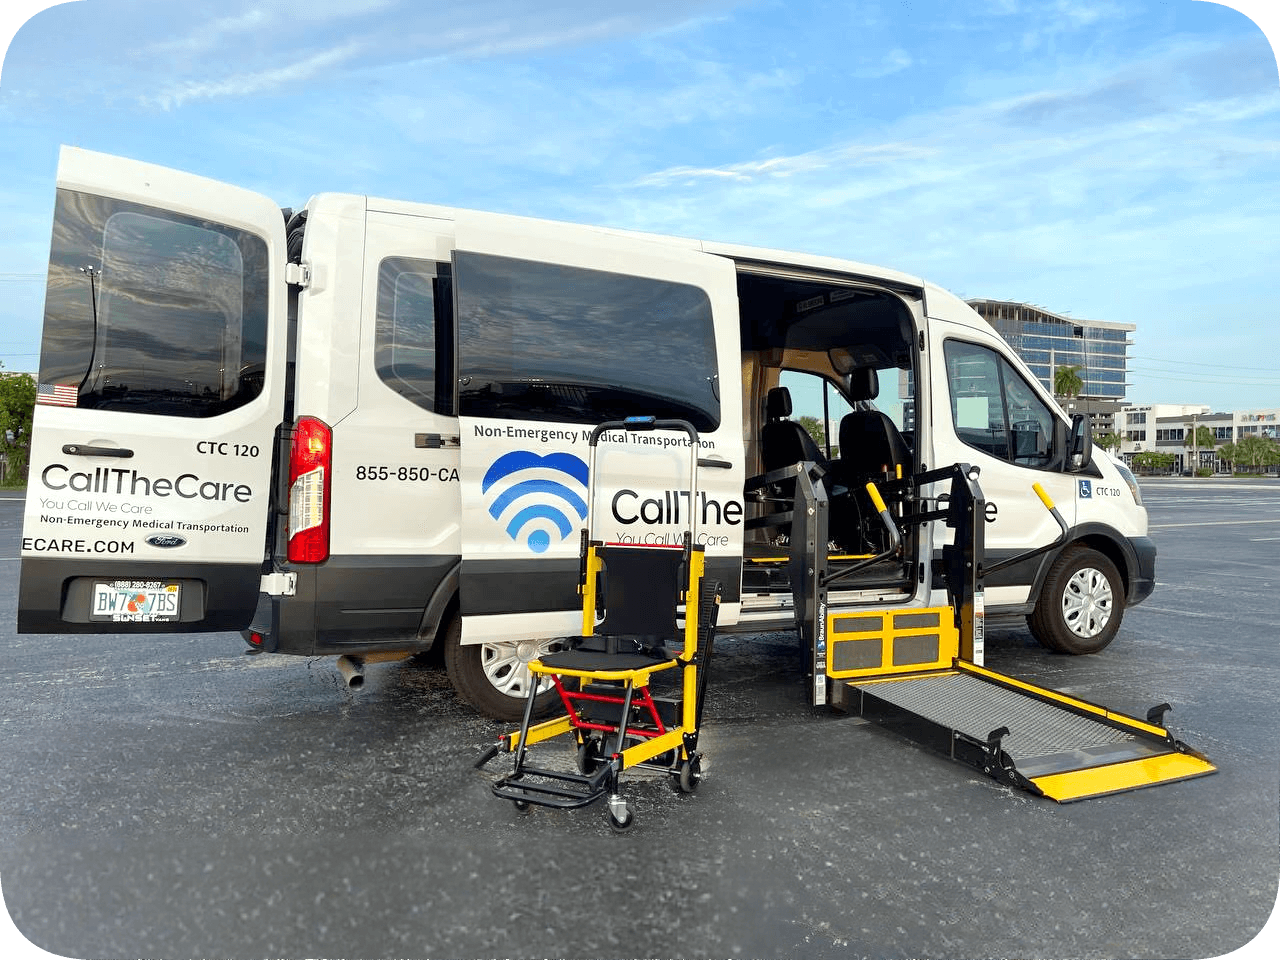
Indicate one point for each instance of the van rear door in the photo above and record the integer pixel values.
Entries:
(560, 328)
(161, 385)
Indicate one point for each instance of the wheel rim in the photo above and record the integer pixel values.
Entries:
(506, 664)
(1087, 603)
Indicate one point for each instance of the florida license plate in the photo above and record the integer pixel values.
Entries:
(130, 601)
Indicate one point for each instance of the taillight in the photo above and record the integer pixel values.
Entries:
(310, 462)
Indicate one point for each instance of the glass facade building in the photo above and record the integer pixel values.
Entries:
(1046, 341)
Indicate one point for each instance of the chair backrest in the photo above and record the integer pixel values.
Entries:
(642, 586)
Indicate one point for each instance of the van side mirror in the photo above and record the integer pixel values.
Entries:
(1080, 449)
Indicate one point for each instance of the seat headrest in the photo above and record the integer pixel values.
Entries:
(864, 384)
(777, 403)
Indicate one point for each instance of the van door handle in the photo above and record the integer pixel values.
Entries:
(434, 441)
(85, 450)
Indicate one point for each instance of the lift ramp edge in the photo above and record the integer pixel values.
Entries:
(1122, 777)
(1040, 740)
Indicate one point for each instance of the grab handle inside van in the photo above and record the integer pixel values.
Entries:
(890, 526)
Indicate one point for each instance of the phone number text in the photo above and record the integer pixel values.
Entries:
(408, 474)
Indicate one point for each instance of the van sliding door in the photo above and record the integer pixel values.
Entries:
(562, 327)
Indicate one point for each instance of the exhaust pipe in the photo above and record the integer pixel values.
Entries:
(352, 670)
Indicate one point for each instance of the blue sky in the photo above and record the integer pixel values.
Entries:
(1114, 159)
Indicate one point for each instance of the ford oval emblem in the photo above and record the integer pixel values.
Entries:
(166, 540)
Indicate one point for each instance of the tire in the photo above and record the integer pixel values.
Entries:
(1081, 603)
(494, 677)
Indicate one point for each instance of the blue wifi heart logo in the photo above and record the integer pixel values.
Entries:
(524, 489)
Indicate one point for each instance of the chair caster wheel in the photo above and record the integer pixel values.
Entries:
(620, 816)
(689, 775)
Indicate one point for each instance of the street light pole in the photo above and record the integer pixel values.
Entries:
(1195, 440)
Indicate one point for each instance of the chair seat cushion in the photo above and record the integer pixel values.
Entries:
(596, 661)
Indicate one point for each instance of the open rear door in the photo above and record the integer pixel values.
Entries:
(161, 384)
(560, 328)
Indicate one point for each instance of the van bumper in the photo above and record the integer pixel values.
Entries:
(357, 604)
(1142, 579)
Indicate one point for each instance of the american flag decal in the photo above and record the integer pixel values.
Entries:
(58, 394)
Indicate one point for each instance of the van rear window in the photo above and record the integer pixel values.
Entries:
(540, 341)
(413, 346)
(153, 312)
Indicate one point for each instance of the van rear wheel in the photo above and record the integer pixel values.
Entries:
(1080, 604)
(494, 677)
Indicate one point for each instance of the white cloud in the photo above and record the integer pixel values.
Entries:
(839, 158)
(208, 35)
(895, 61)
(248, 83)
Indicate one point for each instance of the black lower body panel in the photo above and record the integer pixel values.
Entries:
(357, 604)
(53, 595)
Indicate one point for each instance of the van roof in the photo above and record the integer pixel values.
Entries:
(734, 251)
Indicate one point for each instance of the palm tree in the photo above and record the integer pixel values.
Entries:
(1198, 438)
(1201, 437)
(1108, 440)
(1067, 382)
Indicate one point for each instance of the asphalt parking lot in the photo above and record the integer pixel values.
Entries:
(169, 797)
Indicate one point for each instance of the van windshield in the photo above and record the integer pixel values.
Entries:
(151, 311)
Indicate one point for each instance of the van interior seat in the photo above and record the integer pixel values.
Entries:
(783, 441)
(870, 447)
(870, 444)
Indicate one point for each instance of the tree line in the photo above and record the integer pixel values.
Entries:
(17, 403)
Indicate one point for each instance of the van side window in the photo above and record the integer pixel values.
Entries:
(994, 409)
(540, 341)
(149, 311)
(806, 391)
(415, 300)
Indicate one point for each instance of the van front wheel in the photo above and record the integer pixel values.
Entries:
(1081, 603)
(494, 677)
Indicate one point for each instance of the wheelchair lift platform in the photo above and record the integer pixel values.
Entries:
(918, 671)
(1048, 743)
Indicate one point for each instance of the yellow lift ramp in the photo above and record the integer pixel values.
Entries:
(1027, 736)
(911, 670)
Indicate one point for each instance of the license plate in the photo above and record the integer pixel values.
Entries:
(130, 601)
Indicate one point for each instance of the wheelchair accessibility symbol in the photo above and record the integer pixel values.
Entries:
(1086, 489)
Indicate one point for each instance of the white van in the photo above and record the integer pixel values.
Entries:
(360, 429)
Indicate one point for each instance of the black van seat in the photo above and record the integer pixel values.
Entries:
(784, 442)
(870, 447)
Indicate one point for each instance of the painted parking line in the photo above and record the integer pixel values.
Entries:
(1210, 523)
